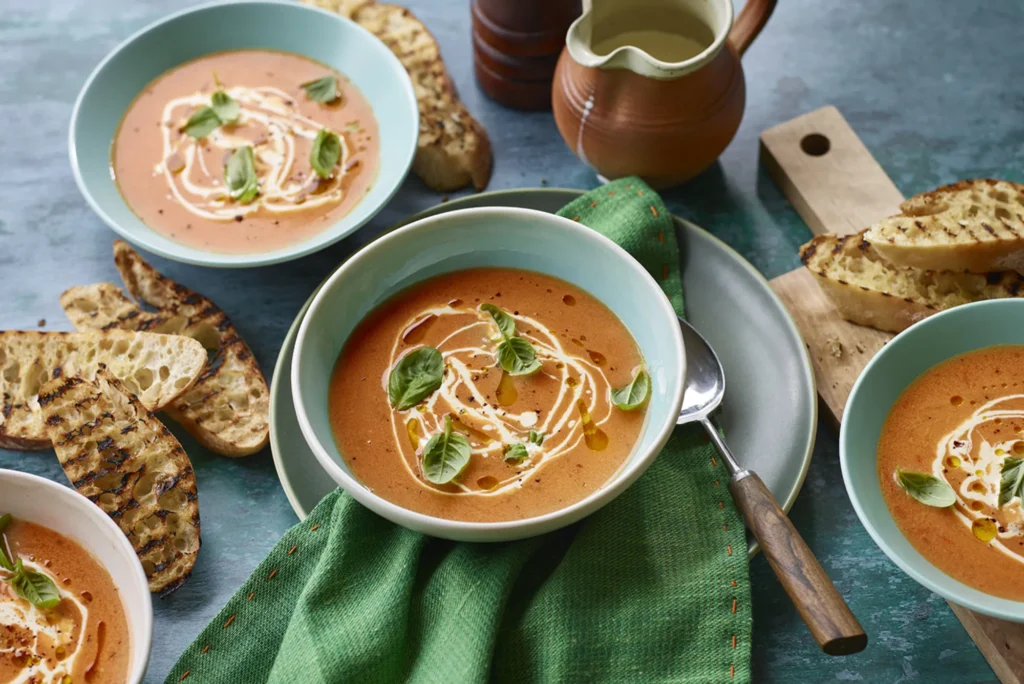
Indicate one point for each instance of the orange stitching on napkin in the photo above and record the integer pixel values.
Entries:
(629, 187)
(734, 606)
(184, 675)
(314, 528)
(611, 194)
(272, 573)
(661, 236)
(716, 483)
(232, 619)
(655, 212)
(593, 204)
(734, 641)
(733, 583)
(640, 193)
(732, 671)
(576, 218)
(714, 462)
(292, 550)
(721, 506)
(725, 528)
(205, 649)
(728, 548)
(250, 596)
(664, 272)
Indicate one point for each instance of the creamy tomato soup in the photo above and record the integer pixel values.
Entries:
(218, 153)
(487, 395)
(83, 637)
(962, 424)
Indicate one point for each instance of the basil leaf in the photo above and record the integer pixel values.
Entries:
(633, 395)
(35, 587)
(445, 455)
(224, 107)
(536, 437)
(926, 488)
(5, 561)
(325, 153)
(514, 453)
(240, 175)
(324, 90)
(202, 122)
(516, 356)
(506, 324)
(415, 377)
(1012, 477)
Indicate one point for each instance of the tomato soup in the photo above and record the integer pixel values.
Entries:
(956, 436)
(488, 395)
(83, 637)
(245, 151)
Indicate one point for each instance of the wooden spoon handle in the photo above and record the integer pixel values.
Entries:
(827, 616)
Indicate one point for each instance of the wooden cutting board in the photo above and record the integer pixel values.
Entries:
(836, 186)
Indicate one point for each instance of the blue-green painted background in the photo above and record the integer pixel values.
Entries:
(933, 87)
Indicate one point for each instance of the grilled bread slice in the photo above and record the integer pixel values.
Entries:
(158, 368)
(869, 291)
(975, 225)
(453, 148)
(116, 453)
(228, 408)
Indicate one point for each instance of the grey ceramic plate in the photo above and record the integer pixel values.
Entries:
(770, 411)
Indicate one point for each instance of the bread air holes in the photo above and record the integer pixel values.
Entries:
(926, 208)
(174, 500)
(144, 378)
(998, 195)
(206, 335)
(1003, 213)
(12, 372)
(143, 489)
(35, 380)
(106, 344)
(165, 373)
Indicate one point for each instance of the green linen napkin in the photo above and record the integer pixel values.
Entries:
(653, 587)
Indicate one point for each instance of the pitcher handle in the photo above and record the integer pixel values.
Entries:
(749, 23)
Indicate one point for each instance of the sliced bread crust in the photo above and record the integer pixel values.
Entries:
(116, 453)
(158, 368)
(973, 225)
(228, 408)
(869, 291)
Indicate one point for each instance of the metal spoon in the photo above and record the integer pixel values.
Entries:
(828, 617)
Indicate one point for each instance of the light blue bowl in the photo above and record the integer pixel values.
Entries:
(253, 24)
(469, 238)
(900, 362)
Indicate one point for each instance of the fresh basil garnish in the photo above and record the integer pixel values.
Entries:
(325, 153)
(1011, 479)
(225, 107)
(515, 355)
(633, 395)
(240, 175)
(323, 90)
(35, 587)
(926, 488)
(202, 122)
(514, 453)
(445, 455)
(536, 437)
(415, 377)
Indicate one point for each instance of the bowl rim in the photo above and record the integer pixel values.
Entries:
(72, 500)
(192, 255)
(953, 590)
(510, 529)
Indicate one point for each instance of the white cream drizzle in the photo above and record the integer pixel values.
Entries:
(556, 422)
(17, 611)
(986, 459)
(201, 190)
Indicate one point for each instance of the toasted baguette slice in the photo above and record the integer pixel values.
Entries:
(228, 408)
(453, 148)
(158, 368)
(116, 453)
(975, 226)
(869, 291)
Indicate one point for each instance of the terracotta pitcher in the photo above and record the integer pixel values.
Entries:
(654, 87)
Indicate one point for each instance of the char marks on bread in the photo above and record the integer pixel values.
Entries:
(157, 368)
(228, 408)
(973, 225)
(120, 456)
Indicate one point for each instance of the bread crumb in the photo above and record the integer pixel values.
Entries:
(835, 347)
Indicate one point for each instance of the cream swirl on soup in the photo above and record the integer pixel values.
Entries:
(270, 123)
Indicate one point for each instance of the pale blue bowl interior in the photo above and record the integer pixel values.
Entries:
(285, 26)
(488, 237)
(906, 357)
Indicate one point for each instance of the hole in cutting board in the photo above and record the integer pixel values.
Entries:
(815, 144)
